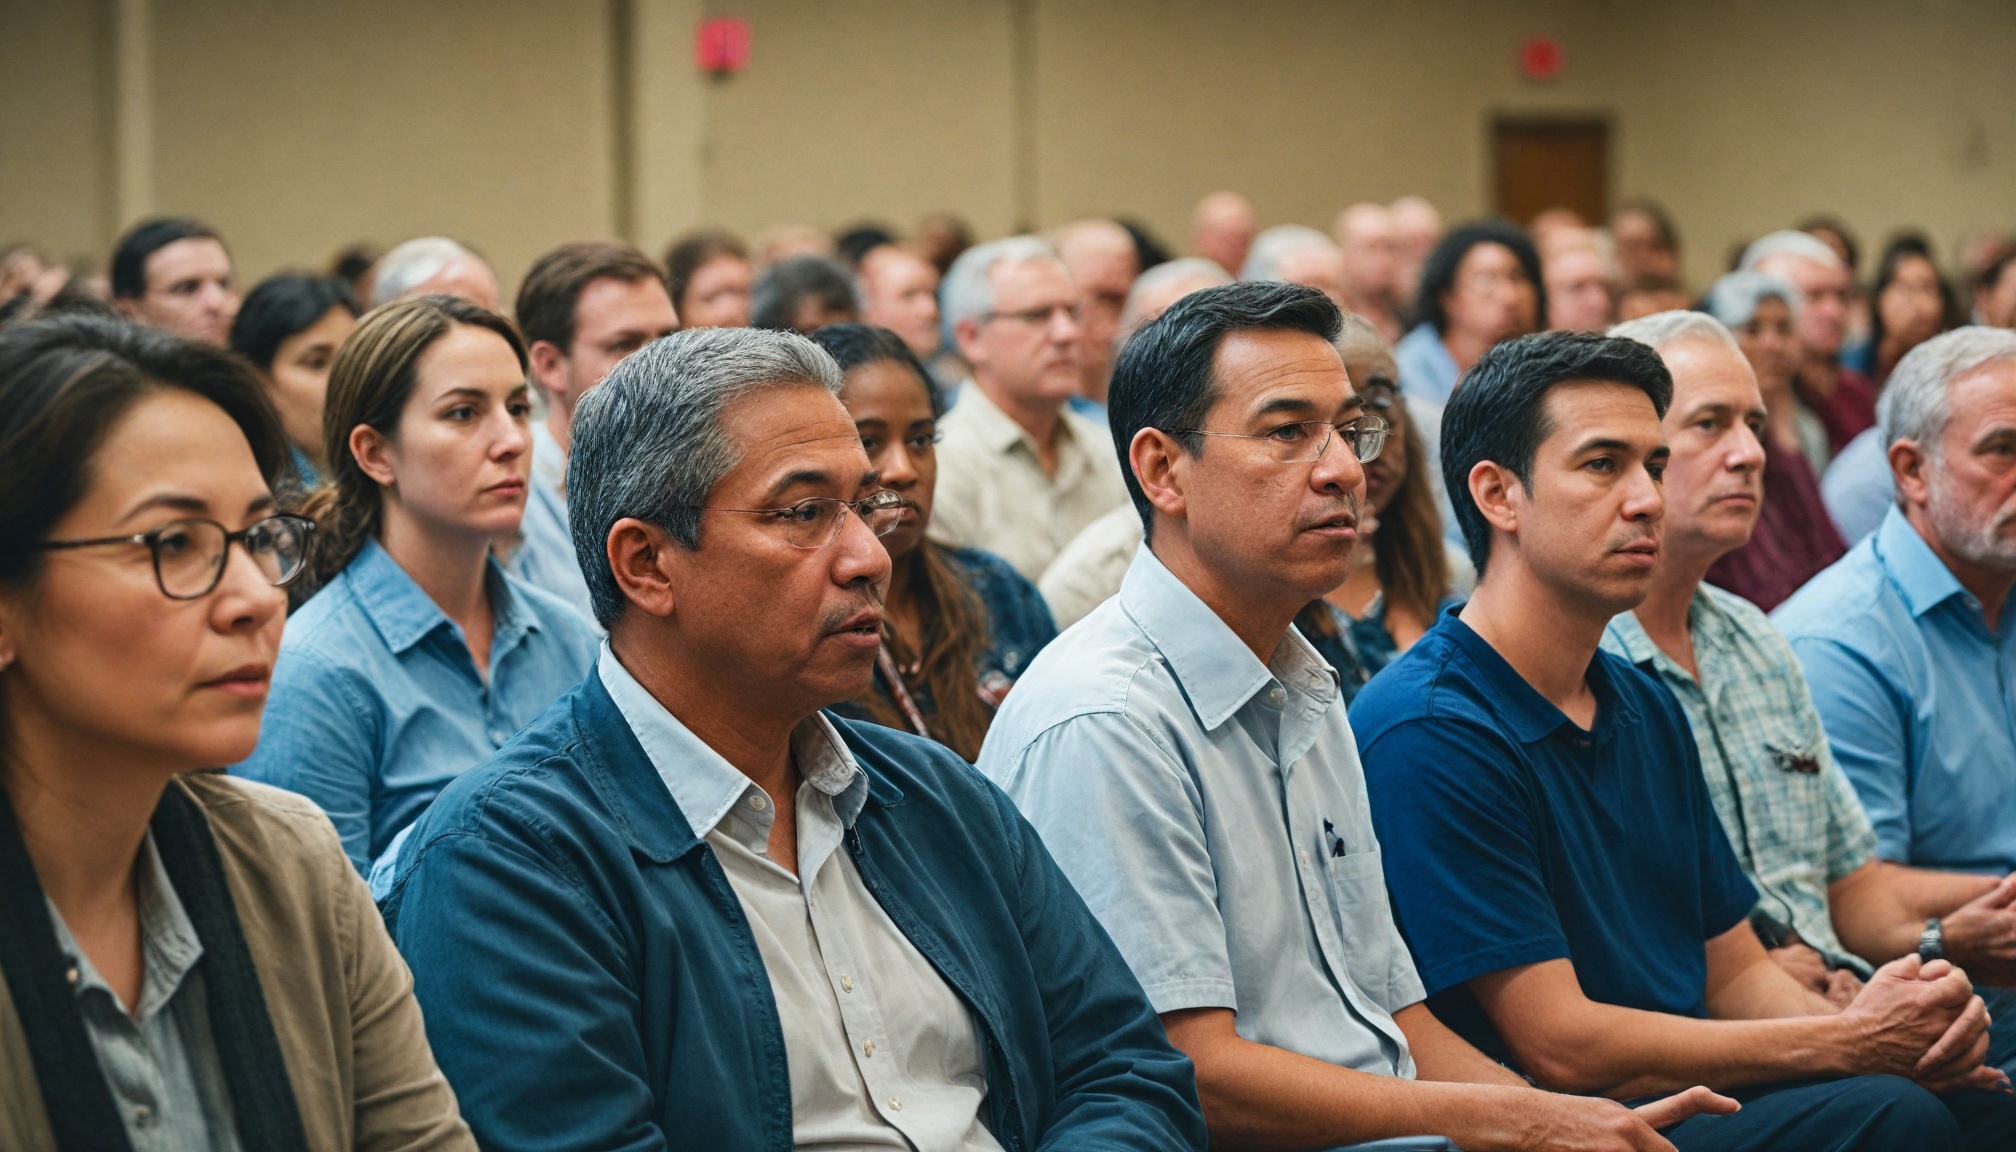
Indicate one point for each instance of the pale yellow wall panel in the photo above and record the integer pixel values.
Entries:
(55, 120)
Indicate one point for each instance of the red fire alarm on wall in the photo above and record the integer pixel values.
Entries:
(721, 46)
(1540, 58)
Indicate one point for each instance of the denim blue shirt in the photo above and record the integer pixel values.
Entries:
(1918, 698)
(545, 557)
(376, 703)
(1427, 371)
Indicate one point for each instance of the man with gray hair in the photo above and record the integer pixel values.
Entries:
(1843, 398)
(685, 908)
(434, 265)
(1297, 254)
(1020, 472)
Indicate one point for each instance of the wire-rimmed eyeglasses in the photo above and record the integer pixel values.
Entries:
(1304, 441)
(190, 555)
(816, 522)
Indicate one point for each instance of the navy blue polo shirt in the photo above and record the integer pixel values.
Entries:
(1512, 836)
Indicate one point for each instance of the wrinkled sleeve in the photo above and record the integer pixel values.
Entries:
(320, 738)
(1866, 725)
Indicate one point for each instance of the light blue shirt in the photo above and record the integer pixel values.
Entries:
(1211, 811)
(1918, 699)
(1857, 487)
(1427, 370)
(376, 704)
(545, 557)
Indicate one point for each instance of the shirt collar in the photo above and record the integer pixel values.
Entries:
(168, 938)
(404, 614)
(1216, 670)
(1532, 716)
(1922, 579)
(703, 784)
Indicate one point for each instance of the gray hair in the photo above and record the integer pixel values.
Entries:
(1275, 245)
(1735, 298)
(968, 293)
(1164, 274)
(1916, 401)
(412, 264)
(648, 441)
(1662, 328)
(1788, 242)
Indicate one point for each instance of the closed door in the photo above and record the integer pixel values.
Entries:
(1546, 164)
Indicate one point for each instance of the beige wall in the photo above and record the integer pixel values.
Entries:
(297, 126)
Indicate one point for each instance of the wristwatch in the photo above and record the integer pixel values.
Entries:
(1932, 942)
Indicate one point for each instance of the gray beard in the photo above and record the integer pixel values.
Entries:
(1989, 545)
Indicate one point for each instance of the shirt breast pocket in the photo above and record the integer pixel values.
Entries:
(1364, 919)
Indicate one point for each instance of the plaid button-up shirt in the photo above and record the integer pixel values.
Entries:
(1789, 810)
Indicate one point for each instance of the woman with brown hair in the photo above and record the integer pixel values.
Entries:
(188, 959)
(417, 656)
(959, 624)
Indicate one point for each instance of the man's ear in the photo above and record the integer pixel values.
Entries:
(966, 335)
(644, 559)
(373, 454)
(1494, 486)
(1908, 467)
(549, 367)
(1158, 462)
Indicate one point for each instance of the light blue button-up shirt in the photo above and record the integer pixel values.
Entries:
(545, 557)
(376, 704)
(1427, 370)
(1918, 698)
(1212, 812)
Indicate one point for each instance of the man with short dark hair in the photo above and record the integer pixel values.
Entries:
(176, 275)
(1554, 858)
(1185, 754)
(582, 307)
(803, 293)
(685, 908)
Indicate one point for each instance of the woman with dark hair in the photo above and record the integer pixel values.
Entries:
(289, 327)
(416, 656)
(188, 959)
(1403, 571)
(959, 624)
(709, 275)
(1910, 303)
(1481, 285)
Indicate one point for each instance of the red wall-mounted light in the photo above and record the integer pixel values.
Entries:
(721, 46)
(1540, 58)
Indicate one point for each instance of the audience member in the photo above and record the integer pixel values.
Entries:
(352, 265)
(704, 914)
(1581, 281)
(1843, 398)
(788, 241)
(1482, 284)
(1417, 228)
(804, 294)
(958, 625)
(1551, 226)
(1297, 254)
(175, 274)
(1149, 250)
(1907, 641)
(1371, 254)
(289, 329)
(1222, 230)
(434, 266)
(1787, 808)
(709, 277)
(1912, 302)
(1648, 245)
(1995, 292)
(941, 237)
(1857, 486)
(188, 961)
(416, 656)
(1647, 297)
(851, 244)
(899, 291)
(1020, 472)
(581, 308)
(1103, 263)
(1795, 537)
(1184, 752)
(1554, 859)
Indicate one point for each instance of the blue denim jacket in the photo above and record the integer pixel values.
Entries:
(590, 981)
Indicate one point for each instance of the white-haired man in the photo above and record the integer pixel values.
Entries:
(1843, 398)
(1297, 254)
(434, 265)
(1020, 473)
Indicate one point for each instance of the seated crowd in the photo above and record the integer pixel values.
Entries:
(1395, 687)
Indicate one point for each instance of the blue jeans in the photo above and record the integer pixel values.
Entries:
(2002, 1035)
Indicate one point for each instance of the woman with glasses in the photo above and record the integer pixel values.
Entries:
(188, 959)
(959, 624)
(417, 656)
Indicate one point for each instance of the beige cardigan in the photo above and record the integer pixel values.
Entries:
(339, 994)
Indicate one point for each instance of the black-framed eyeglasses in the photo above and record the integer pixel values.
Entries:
(816, 522)
(1304, 441)
(190, 555)
(1038, 315)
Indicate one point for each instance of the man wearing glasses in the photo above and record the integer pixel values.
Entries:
(686, 909)
(1185, 755)
(1019, 472)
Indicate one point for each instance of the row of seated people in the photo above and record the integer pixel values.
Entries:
(600, 896)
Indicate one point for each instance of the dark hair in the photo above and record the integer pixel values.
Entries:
(1163, 377)
(283, 306)
(1992, 272)
(129, 259)
(1823, 222)
(370, 382)
(854, 243)
(553, 285)
(688, 254)
(1438, 272)
(1148, 248)
(953, 625)
(65, 381)
(354, 263)
(1662, 220)
(1900, 249)
(780, 288)
(1499, 409)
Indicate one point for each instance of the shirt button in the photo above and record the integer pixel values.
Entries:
(846, 982)
(868, 1048)
(895, 1104)
(757, 801)
(143, 1115)
(1275, 696)
(72, 975)
(1303, 853)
